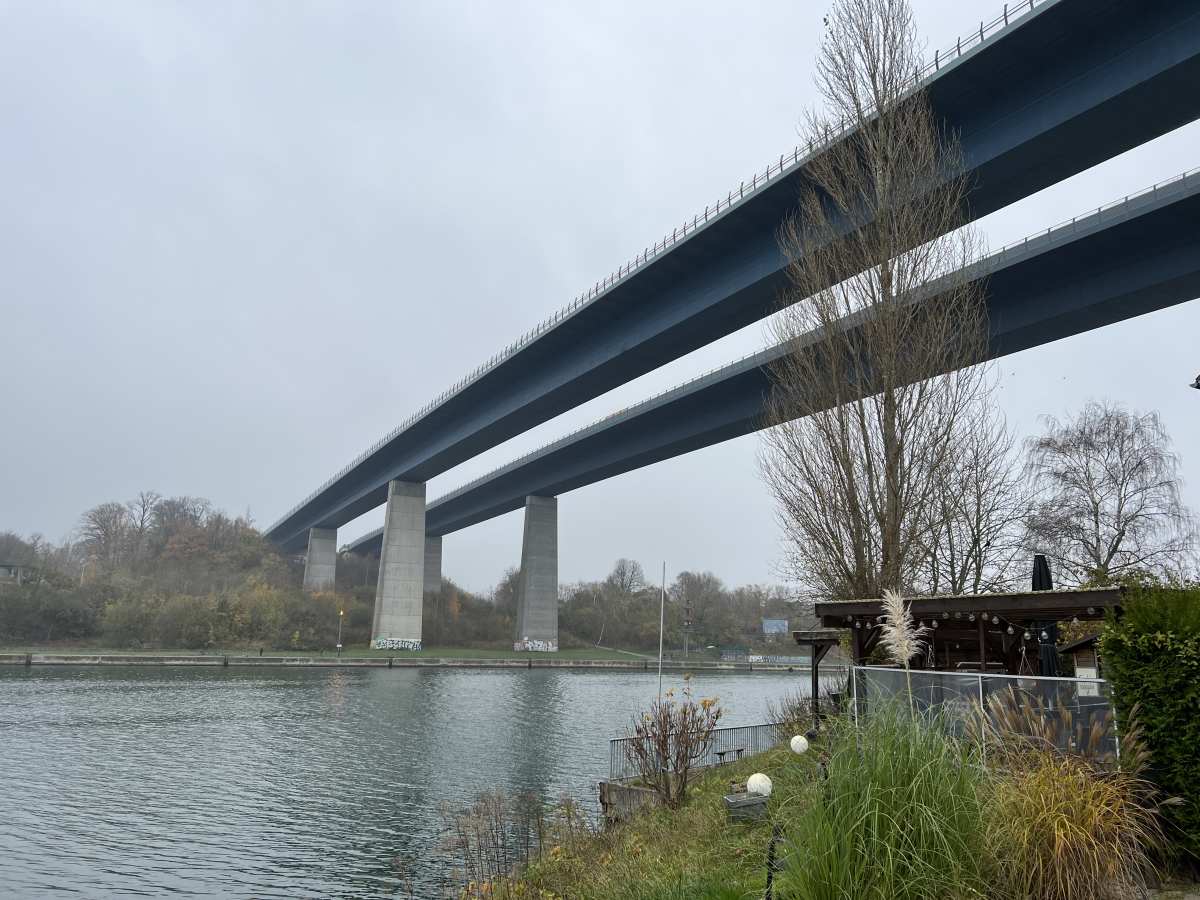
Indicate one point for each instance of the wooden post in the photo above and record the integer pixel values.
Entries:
(856, 647)
(815, 665)
(818, 654)
(982, 646)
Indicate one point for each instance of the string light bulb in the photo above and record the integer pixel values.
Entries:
(1028, 636)
(1044, 636)
(945, 615)
(1010, 629)
(972, 617)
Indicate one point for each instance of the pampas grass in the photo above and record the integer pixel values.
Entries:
(900, 636)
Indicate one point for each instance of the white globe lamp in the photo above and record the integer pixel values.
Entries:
(758, 783)
(799, 744)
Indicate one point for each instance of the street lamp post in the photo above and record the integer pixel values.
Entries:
(341, 614)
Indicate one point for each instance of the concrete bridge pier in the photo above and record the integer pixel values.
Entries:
(399, 592)
(433, 564)
(320, 564)
(537, 586)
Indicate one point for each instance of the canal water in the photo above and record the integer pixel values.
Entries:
(292, 782)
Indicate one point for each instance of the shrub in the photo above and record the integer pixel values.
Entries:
(669, 739)
(1060, 829)
(899, 816)
(184, 621)
(1151, 657)
(499, 834)
(793, 711)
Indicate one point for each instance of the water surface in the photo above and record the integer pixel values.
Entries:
(291, 782)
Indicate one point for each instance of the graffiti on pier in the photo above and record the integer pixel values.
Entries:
(535, 646)
(396, 644)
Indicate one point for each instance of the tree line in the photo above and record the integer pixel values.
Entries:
(173, 572)
(1097, 492)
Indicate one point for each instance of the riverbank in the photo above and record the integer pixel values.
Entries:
(416, 660)
(697, 853)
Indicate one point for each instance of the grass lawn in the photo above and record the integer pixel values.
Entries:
(691, 853)
(587, 653)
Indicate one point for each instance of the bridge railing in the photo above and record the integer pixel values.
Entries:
(1065, 228)
(1092, 215)
(786, 163)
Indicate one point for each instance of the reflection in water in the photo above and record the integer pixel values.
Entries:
(287, 782)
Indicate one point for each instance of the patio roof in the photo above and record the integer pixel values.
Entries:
(1086, 603)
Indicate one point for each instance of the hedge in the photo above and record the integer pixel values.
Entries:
(1151, 657)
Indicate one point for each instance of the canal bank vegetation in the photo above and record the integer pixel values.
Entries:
(902, 804)
(902, 813)
(173, 573)
(893, 808)
(893, 802)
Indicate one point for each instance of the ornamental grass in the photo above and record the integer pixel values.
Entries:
(1060, 829)
(900, 817)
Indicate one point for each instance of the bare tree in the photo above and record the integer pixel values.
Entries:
(141, 512)
(627, 577)
(104, 530)
(705, 595)
(883, 338)
(1108, 495)
(974, 538)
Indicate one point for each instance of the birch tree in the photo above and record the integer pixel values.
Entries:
(1108, 496)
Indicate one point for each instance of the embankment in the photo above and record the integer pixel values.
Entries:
(385, 662)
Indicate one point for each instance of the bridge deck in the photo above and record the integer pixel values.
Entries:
(1065, 87)
(1122, 261)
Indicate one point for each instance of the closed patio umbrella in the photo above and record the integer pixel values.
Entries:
(1047, 646)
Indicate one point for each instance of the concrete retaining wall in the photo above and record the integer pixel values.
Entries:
(121, 659)
(345, 661)
(620, 802)
(392, 662)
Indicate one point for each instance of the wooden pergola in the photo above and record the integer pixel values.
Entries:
(983, 632)
(819, 642)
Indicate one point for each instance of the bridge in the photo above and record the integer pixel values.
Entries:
(1124, 260)
(1048, 91)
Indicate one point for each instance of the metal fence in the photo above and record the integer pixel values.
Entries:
(726, 745)
(1068, 714)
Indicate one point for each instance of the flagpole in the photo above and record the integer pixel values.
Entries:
(662, 610)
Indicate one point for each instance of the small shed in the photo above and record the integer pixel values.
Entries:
(1085, 656)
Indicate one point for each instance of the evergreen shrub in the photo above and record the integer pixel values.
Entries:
(1151, 657)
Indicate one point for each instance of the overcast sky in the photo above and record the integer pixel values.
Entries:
(242, 240)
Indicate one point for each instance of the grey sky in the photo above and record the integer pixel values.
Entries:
(241, 240)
